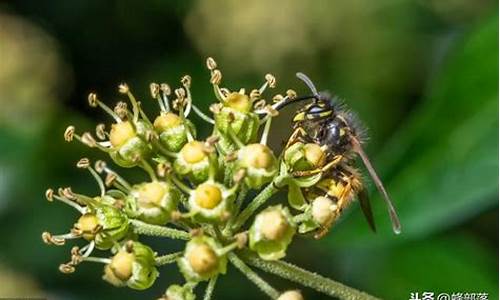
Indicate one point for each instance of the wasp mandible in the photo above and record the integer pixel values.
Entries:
(326, 122)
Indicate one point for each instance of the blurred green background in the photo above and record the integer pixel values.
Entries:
(422, 74)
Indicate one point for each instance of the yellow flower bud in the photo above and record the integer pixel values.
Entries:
(202, 259)
(121, 265)
(166, 121)
(208, 195)
(271, 232)
(239, 102)
(88, 224)
(314, 154)
(257, 156)
(121, 133)
(151, 194)
(291, 295)
(193, 152)
(273, 225)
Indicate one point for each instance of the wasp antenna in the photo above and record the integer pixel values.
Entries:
(396, 225)
(308, 82)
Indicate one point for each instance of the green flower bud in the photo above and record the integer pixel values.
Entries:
(172, 130)
(153, 202)
(259, 163)
(105, 225)
(201, 260)
(210, 202)
(304, 157)
(194, 161)
(236, 114)
(133, 266)
(128, 143)
(272, 232)
(177, 292)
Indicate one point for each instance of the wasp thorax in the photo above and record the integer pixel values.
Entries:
(322, 210)
(274, 225)
(239, 102)
(167, 121)
(88, 224)
(208, 195)
(257, 156)
(121, 133)
(202, 259)
(121, 265)
(291, 295)
(314, 154)
(193, 152)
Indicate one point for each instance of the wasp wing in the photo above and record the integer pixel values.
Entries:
(366, 207)
(396, 225)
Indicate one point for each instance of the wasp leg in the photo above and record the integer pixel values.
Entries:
(328, 166)
(323, 230)
(295, 136)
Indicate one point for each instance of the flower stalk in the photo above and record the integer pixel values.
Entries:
(253, 277)
(296, 274)
(140, 227)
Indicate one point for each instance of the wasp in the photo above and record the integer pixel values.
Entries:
(326, 122)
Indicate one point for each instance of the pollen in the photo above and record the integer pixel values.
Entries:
(322, 209)
(208, 196)
(121, 133)
(193, 152)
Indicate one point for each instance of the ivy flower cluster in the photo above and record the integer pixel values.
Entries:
(196, 191)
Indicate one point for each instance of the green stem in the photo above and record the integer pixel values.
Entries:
(258, 201)
(168, 258)
(253, 277)
(306, 278)
(210, 288)
(159, 231)
(237, 206)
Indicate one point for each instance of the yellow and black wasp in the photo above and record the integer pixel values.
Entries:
(327, 123)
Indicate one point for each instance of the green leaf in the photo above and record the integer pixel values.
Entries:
(295, 196)
(446, 264)
(443, 164)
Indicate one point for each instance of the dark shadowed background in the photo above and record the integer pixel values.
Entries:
(422, 74)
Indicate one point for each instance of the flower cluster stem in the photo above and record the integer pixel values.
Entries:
(253, 277)
(159, 231)
(258, 201)
(306, 278)
(168, 258)
(209, 291)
